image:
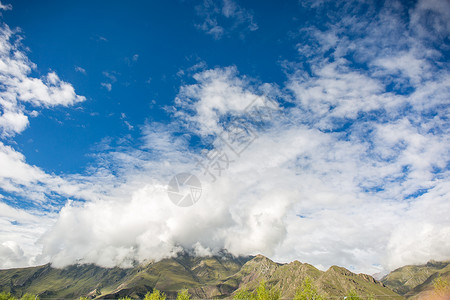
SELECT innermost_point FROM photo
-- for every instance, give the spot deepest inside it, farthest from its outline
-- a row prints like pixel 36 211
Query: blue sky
pixel 103 39
pixel 103 103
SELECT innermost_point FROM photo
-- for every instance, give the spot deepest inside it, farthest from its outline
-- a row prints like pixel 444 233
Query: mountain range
pixel 215 277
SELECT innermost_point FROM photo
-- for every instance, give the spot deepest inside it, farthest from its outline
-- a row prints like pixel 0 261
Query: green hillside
pixel 417 281
pixel 204 277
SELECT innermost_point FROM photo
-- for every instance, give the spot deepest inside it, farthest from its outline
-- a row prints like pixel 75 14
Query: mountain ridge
pixel 205 277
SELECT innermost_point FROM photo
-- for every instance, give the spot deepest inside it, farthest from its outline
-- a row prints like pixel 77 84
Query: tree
pixel 155 295
pixel 307 291
pixel 352 295
pixel 183 295
pixel 6 296
pixel 262 292
pixel 244 294
pixel 125 298
pixel 28 296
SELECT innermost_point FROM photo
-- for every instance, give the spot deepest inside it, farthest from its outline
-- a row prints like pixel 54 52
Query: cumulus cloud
pixel 19 92
pixel 19 89
pixel 350 169
pixel 218 93
pixel 18 234
pixel 216 13
pixel 12 255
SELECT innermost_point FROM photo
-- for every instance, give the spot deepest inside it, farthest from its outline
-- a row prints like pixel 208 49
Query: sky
pixel 316 130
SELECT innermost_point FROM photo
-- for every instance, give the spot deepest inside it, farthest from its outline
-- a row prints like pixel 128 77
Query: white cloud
pixel 18 91
pixel 107 86
pixel 425 232
pixel 430 19
pixel 11 255
pixel 12 122
pixel 5 6
pixel 18 232
pixel 21 228
pixel 128 124
pixel 111 76
pixel 218 93
pixel 80 69
pixel 18 88
pixel 351 172
pixel 293 169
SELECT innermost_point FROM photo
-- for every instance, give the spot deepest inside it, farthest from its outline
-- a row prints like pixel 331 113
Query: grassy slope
pixel 416 281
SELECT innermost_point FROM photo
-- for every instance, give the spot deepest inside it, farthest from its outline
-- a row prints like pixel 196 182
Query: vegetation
pixel 183 295
pixel 413 280
pixel 125 298
pixel 441 286
pixel 6 296
pixel 307 291
pixel 262 292
pixel 243 294
pixel 352 295
pixel 27 296
pixel 155 295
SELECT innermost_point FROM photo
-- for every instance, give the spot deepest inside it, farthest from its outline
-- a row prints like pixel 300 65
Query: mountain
pixel 336 281
pixel 417 281
pixel 205 277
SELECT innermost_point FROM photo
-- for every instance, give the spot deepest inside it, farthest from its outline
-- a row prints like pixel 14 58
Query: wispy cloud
pixel 99 38
pixel 80 70
pixel 214 13
pixel 131 61
pixel 5 6
pixel 107 86
pixel 112 76
pixel 123 116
